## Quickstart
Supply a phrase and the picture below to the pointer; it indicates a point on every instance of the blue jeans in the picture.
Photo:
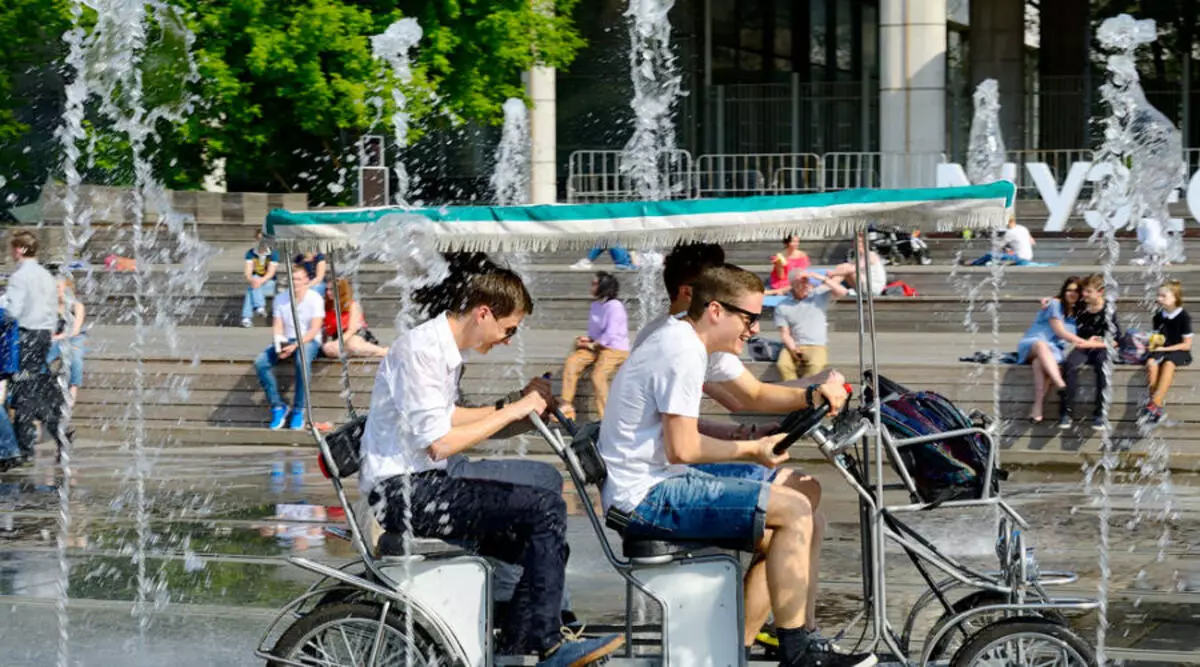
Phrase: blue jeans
(8, 437)
(506, 576)
(1002, 257)
(264, 366)
(75, 347)
(620, 256)
(748, 471)
(729, 512)
(256, 298)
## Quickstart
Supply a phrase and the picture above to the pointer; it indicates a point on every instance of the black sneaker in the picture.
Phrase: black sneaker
(1098, 424)
(1064, 422)
(816, 657)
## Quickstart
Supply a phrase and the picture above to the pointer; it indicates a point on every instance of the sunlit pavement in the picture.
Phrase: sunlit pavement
(216, 570)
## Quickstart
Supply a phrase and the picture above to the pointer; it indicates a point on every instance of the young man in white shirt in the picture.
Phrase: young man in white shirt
(650, 438)
(415, 425)
(729, 383)
(287, 337)
(1018, 246)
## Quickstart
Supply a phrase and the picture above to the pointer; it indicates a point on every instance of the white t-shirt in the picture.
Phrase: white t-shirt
(664, 375)
(416, 389)
(1150, 235)
(722, 366)
(311, 307)
(1020, 241)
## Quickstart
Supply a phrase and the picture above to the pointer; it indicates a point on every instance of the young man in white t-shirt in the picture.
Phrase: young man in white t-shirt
(650, 438)
(311, 309)
(1018, 246)
(737, 389)
(416, 425)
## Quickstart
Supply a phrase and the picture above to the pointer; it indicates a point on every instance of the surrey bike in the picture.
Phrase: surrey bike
(407, 601)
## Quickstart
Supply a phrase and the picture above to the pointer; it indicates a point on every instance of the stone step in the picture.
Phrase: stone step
(943, 314)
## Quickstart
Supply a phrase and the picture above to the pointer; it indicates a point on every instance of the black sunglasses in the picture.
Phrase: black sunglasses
(509, 333)
(748, 317)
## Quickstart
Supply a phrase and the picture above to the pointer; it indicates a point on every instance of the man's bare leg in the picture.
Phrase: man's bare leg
(790, 518)
(758, 598)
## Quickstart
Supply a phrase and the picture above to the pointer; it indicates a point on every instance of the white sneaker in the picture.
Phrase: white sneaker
(261, 312)
(582, 265)
(246, 323)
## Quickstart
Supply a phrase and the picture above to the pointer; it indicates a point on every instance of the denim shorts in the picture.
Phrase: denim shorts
(749, 471)
(696, 506)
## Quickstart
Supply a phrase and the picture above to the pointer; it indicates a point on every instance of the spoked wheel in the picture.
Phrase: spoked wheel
(344, 634)
(1024, 642)
(950, 642)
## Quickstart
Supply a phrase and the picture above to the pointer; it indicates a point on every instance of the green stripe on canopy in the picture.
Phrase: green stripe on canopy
(660, 223)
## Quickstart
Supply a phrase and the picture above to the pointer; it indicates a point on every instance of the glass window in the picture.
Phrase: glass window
(816, 42)
(783, 28)
(845, 37)
(870, 41)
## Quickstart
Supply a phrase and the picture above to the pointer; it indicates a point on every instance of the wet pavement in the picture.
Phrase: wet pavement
(217, 526)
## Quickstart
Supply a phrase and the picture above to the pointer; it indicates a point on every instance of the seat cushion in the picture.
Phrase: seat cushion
(636, 547)
(392, 544)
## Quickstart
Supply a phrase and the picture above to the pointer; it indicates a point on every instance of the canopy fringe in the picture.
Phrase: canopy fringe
(841, 228)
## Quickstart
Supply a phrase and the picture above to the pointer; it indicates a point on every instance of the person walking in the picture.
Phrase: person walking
(32, 300)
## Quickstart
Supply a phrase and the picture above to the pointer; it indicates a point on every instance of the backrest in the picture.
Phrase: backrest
(949, 469)
(345, 445)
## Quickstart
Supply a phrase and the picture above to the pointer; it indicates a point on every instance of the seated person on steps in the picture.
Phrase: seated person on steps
(414, 427)
(650, 436)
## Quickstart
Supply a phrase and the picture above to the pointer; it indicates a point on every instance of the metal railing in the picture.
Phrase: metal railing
(595, 176)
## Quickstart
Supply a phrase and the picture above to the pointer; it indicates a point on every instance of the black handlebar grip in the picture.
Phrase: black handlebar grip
(805, 425)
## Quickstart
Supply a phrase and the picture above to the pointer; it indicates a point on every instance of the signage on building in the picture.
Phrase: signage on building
(1060, 200)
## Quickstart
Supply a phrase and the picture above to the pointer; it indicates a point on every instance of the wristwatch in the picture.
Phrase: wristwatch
(808, 394)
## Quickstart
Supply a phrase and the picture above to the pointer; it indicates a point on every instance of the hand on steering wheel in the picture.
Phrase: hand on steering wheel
(766, 452)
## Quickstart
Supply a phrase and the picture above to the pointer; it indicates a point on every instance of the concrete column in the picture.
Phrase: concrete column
(543, 136)
(912, 86)
(997, 49)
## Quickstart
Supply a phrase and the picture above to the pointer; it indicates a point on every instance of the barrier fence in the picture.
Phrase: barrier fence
(597, 175)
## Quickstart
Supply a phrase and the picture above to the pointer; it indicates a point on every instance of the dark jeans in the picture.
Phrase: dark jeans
(515, 523)
(1071, 366)
(35, 394)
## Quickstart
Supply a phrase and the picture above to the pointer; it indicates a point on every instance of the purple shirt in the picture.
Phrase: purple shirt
(608, 324)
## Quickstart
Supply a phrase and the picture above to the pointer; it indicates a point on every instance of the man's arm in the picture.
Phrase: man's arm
(466, 435)
(248, 272)
(785, 335)
(272, 267)
(747, 392)
(314, 329)
(686, 445)
(17, 297)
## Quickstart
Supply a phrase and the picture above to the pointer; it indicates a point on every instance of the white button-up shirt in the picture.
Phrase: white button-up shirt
(32, 297)
(416, 389)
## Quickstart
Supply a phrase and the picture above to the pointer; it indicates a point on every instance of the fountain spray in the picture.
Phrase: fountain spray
(1135, 170)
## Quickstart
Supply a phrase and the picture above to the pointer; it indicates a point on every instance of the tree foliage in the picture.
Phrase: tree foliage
(287, 87)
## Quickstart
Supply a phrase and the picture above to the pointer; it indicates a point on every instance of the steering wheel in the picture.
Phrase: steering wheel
(802, 423)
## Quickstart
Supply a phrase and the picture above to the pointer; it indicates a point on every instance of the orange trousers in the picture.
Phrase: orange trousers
(604, 363)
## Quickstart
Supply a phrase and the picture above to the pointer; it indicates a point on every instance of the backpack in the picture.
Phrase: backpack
(899, 288)
(762, 349)
(951, 469)
(1133, 346)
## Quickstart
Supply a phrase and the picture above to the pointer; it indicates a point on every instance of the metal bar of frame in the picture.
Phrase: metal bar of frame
(360, 541)
(343, 357)
(865, 512)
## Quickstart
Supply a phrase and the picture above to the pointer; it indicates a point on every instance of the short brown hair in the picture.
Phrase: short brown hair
(722, 283)
(501, 290)
(26, 242)
(1094, 282)
(1176, 289)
